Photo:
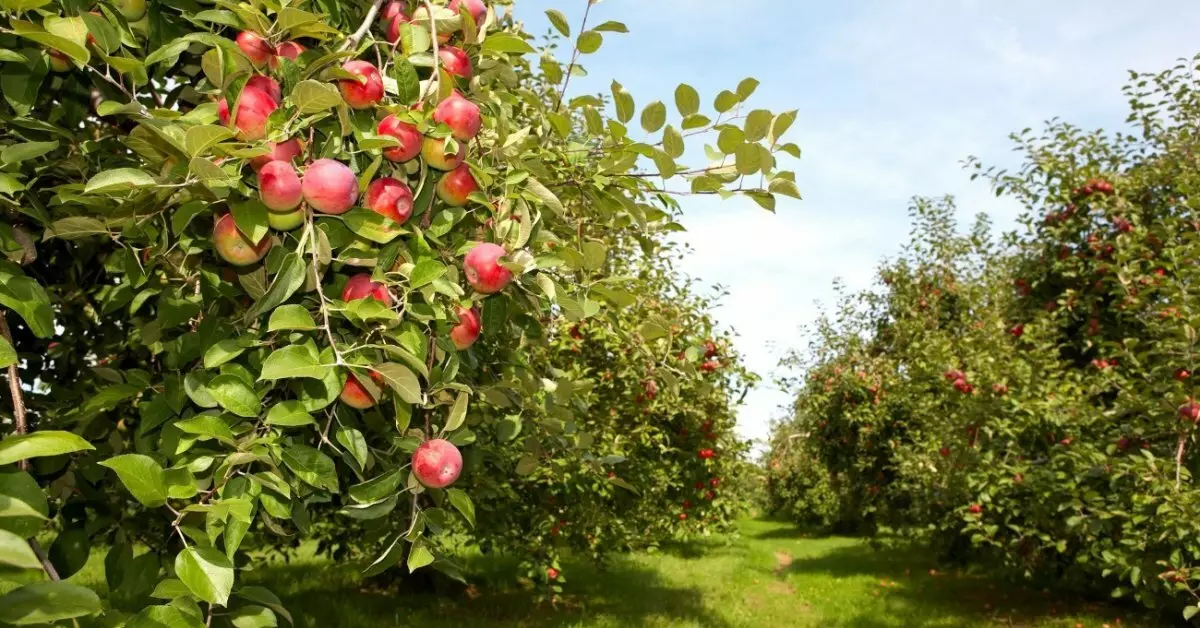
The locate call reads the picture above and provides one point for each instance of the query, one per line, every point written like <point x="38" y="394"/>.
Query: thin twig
<point x="311" y="231"/>
<point x="357" y="35"/>
<point x="437" y="75"/>
<point x="1179" y="459"/>
<point x="45" y="560"/>
<point x="574" y="57"/>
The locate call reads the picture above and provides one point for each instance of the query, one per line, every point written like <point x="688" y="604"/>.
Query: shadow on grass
<point x="326" y="595"/>
<point x="911" y="583"/>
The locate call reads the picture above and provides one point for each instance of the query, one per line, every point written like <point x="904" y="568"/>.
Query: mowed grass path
<point x="771" y="576"/>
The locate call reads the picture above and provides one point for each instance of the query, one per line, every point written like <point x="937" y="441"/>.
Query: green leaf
<point x="118" y="180"/>
<point x="781" y="124"/>
<point x="222" y="352"/>
<point x="207" y="426"/>
<point x="27" y="298"/>
<point x="293" y="361"/>
<point x="654" y="116"/>
<point x="509" y="428"/>
<point x="354" y="442"/>
<point x="462" y="503"/>
<point x="377" y="488"/>
<point x="400" y="379"/>
<point x="142" y="477"/>
<point x="311" y="96"/>
<point x="544" y="195"/>
<point x="594" y="255"/>
<point x="39" y="444"/>
<point x="526" y="465"/>
<point x="746" y="88"/>
<point x="16" y="153"/>
<point x="623" y="101"/>
<point x="19" y="6"/>
<point x="408" y="84"/>
<point x="372" y="226"/>
<point x="612" y="27"/>
<point x="506" y="43"/>
<point x="687" y="100"/>
<point x="8" y="355"/>
<point x="559" y="21"/>
<point x="589" y="42"/>
<point x="23" y="505"/>
<point x="15" y="552"/>
<point x="291" y="317"/>
<point x="253" y="617"/>
<point x="251" y="219"/>
<point x="425" y="272"/>
<point x="749" y="158"/>
<point x="164" y="617"/>
<point x="289" y="279"/>
<point x="46" y="602"/>
<point x="235" y="395"/>
<point x="289" y="413"/>
<point x="311" y="466"/>
<point x="673" y="142"/>
<point x="260" y="595"/>
<point x="207" y="573"/>
<point x="202" y="137"/>
<point x="758" y="123"/>
<point x="76" y="227"/>
<point x="418" y="557"/>
<point x="725" y="101"/>
<point x="458" y="413"/>
<point x="69" y="552"/>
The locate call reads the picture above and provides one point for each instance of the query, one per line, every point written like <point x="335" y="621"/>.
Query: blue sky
<point x="892" y="96"/>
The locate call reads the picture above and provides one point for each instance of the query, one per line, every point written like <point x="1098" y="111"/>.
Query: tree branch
<point x="436" y="60"/>
<point x="357" y="35"/>
<point x="574" y="57"/>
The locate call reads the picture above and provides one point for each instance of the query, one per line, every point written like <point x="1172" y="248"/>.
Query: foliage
<point x="181" y="336"/>
<point x="1031" y="404"/>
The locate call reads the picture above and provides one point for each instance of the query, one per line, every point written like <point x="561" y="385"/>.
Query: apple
<point x="433" y="151"/>
<point x="391" y="199"/>
<point x="356" y="395"/>
<point x="437" y="463"/>
<point x="975" y="509"/>
<point x="233" y="246"/>
<point x="710" y="366"/>
<point x="710" y="349"/>
<point x="651" y="388"/>
<point x="361" y="286"/>
<point x="1017" y="331"/>
<point x="59" y="62"/>
<point x="267" y="85"/>
<point x="1190" y="411"/>
<point x="455" y="62"/>
<point x="421" y="14"/>
<point x="286" y="221"/>
<point x="483" y="269"/>
<point x="257" y="49"/>
<point x="284" y="151"/>
<point x="361" y="94"/>
<point x="1182" y="374"/>
<point x="476" y="8"/>
<point x="329" y="187"/>
<point x="279" y="186"/>
<point x="552" y="573"/>
<point x="409" y="136"/>
<point x="963" y="387"/>
<point x="392" y="9"/>
<point x="944" y="452"/>
<point x="467" y="331"/>
<point x="289" y="49"/>
<point x="131" y="10"/>
<point x="253" y="107"/>
<point x="715" y="482"/>
<point x="706" y="454"/>
<point x="455" y="186"/>
<point x="460" y="115"/>
<point x="683" y="516"/>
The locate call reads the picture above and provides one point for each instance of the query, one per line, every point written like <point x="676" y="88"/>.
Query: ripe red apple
<point x="267" y="85"/>
<point x="233" y="246"/>
<point x="706" y="454"/>
<point x="391" y="199"/>
<point x="289" y="49"/>
<point x="1122" y="225"/>
<point x="361" y="94"/>
<point x="361" y="286"/>
<point x="286" y="221"/>
<point x="651" y="388"/>
<point x="953" y="374"/>
<point x="552" y="573"/>
<point x="1182" y="374"/>
<point x="710" y="349"/>
<point x="390" y="11"/>
<point x="253" y="107"/>
<point x="710" y="366"/>
<point x="975" y="509"/>
<point x="59" y="62"/>
<point x="700" y="485"/>
<point x="257" y="49"/>
<point x="1190" y="411"/>
<point x="476" y="8"/>
<point x="1017" y="331"/>
<point x="393" y="28"/>
<point x="963" y="387"/>
<point x="329" y="186"/>
<point x="355" y="395"/>
<point x="409" y="136"/>
<point x="437" y="463"/>
<point x="683" y="516"/>
<point x="279" y="186"/>
<point x="455" y="186"/>
<point x="455" y="62"/>
<point x="687" y="504"/>
<point x="460" y="114"/>
<point x="483" y="269"/>
<point x="1000" y="389"/>
<point x="433" y="151"/>
<point x="944" y="452"/>
<point x="715" y="482"/>
<point x="467" y="331"/>
<point x="284" y="151"/>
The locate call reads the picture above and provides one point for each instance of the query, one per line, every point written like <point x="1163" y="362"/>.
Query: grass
<point x="772" y="575"/>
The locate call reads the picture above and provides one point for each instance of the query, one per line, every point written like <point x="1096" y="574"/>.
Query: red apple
<point x="683" y="516"/>
<point x="288" y="49"/>
<point x="1190" y="411"/>
<point x="483" y="269"/>
<point x="1017" y="331"/>
<point x="552" y="573"/>
<point x="257" y="49"/>
<point x="437" y="463"/>
<point x="361" y="286"/>
<point x="409" y="136"/>
<point x="233" y="246"/>
<point x="365" y="93"/>
<point x="1182" y="374"/>
<point x="975" y="509"/>
<point x="455" y="186"/>
<point x="455" y="62"/>
<point x="433" y="151"/>
<point x="476" y="8"/>
<point x="356" y="395"/>
<point x="944" y="452"/>
<point x="330" y="187"/>
<point x="467" y="331"/>
<point x="279" y="186"/>
<point x="460" y="114"/>
<point x="267" y="85"/>
<point x="253" y="108"/>
<point x="391" y="199"/>
<point x="284" y="151"/>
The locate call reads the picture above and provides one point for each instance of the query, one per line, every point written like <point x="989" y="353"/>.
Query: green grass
<point x="772" y="575"/>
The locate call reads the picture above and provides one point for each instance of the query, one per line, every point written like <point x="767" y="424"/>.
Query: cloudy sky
<point x="892" y="96"/>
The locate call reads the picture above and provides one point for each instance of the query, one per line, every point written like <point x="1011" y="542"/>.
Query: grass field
<point x="771" y="575"/>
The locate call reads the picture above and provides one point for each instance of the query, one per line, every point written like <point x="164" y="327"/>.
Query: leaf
<point x="506" y="43"/>
<point x="118" y="180"/>
<point x="544" y="195"/>
<point x="594" y="255"/>
<point x="289" y="413"/>
<point x="559" y="21"/>
<point x="589" y="42"/>
<point x="462" y="503"/>
<point x="749" y="158"/>
<point x="612" y="27"/>
<point x="27" y="298"/>
<point x="46" y="602"/>
<point x="673" y="142"/>
<point x="39" y="444"/>
<point x="291" y="317"/>
<point x="758" y="123"/>
<point x="23" y="505"/>
<point x="76" y="227"/>
<point x="623" y="101"/>
<point x="207" y="573"/>
<point x="207" y="426"/>
<point x="458" y="413"/>
<point x="235" y="395"/>
<point x="509" y="428"/>
<point x="260" y="595"/>
<point x="354" y="442"/>
<point x="425" y="272"/>
<point x="725" y="101"/>
<point x="746" y="88"/>
<point x="654" y="116"/>
<point x="293" y="361"/>
<point x="311" y="466"/>
<point x="418" y="557"/>
<point x="69" y="552"/>
<point x="253" y="617"/>
<point x="377" y="488"/>
<point x="371" y="225"/>
<point x="142" y="477"/>
<point x="408" y="84"/>
<point x="251" y="219"/>
<point x="222" y="352"/>
<point x="400" y="379"/>
<point x="201" y="137"/>
<point x="526" y="465"/>
<point x="16" y="153"/>
<point x="19" y="6"/>
<point x="311" y="96"/>
<point x="289" y="279"/>
<point x="15" y="552"/>
<point x="8" y="355"/>
<point x="389" y="557"/>
<point x="164" y="616"/>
